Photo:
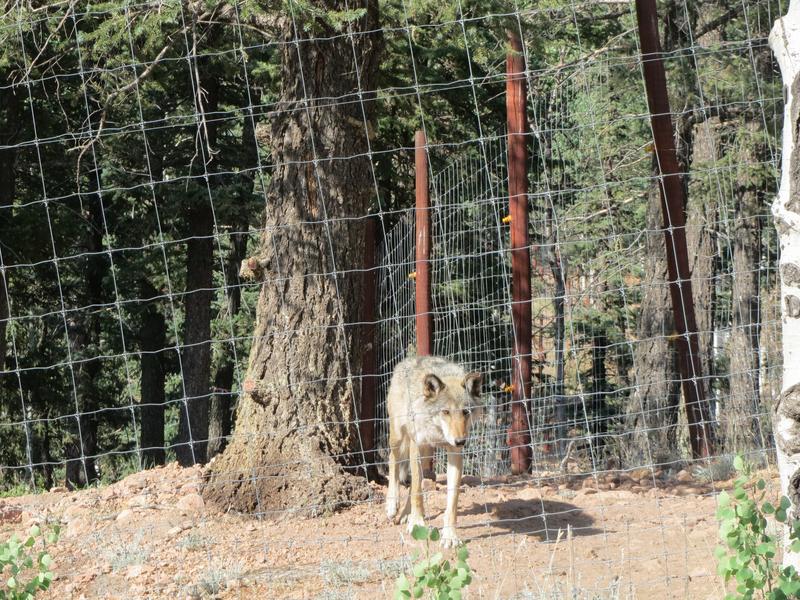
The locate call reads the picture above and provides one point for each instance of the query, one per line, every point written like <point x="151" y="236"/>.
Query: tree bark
<point x="652" y="411"/>
<point x="152" y="340"/>
<point x="295" y="429"/>
<point x="785" y="43"/>
<point x="742" y="429"/>
<point x="701" y="218"/>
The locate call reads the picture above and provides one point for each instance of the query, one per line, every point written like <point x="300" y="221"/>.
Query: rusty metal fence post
<point x="519" y="439"/>
<point x="369" y="366"/>
<point x="672" y="205"/>
<point x="422" y="224"/>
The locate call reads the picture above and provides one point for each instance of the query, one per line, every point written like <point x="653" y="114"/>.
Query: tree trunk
<point x="196" y="355"/>
<point x="785" y="43"/>
<point x="220" y="418"/>
<point x="192" y="440"/>
<point x="152" y="340"/>
<point x="698" y="154"/>
<point x="742" y="428"/>
<point x="652" y="410"/>
<point x="84" y="331"/>
<point x="9" y="128"/>
<point x="295" y="428"/>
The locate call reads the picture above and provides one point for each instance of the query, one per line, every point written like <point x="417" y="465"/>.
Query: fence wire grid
<point x="186" y="274"/>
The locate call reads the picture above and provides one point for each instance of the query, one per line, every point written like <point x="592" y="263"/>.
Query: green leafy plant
<point x="23" y="570"/>
<point x="443" y="580"/>
<point x="748" y="550"/>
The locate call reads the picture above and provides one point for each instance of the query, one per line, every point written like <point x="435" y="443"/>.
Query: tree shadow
<point x="539" y="518"/>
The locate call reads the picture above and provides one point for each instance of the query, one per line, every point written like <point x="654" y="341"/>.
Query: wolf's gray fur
<point x="431" y="403"/>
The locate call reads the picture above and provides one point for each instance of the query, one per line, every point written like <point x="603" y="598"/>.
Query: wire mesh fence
<point x="184" y="194"/>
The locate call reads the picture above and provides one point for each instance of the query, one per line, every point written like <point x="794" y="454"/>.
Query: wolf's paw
<point x="391" y="508"/>
<point x="449" y="538"/>
<point x="414" y="520"/>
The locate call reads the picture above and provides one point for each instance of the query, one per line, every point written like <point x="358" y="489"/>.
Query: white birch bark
<point x="785" y="43"/>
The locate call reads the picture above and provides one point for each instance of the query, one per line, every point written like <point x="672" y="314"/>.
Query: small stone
<point x="684" y="476"/>
<point x="191" y="503"/>
<point x="134" y="571"/>
<point x="137" y="502"/>
<point x="77" y="527"/>
<point x="125" y="515"/>
<point x="639" y="474"/>
<point x="588" y="491"/>
<point x="174" y="531"/>
<point x="108" y="493"/>
<point x="59" y="489"/>
<point x="72" y="512"/>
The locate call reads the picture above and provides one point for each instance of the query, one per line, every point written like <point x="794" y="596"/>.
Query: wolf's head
<point x="456" y="402"/>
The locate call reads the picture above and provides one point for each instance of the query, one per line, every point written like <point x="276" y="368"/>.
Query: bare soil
<point x="622" y="535"/>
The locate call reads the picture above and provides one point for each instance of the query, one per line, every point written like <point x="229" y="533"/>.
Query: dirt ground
<point x="623" y="535"/>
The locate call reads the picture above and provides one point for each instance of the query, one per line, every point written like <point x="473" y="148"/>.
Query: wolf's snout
<point x="461" y="442"/>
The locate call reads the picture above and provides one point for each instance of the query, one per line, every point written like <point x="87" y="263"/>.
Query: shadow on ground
<point x="540" y="518"/>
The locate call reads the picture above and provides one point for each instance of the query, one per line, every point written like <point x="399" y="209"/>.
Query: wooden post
<point x="369" y="365"/>
<point x="519" y="439"/>
<point x="424" y="305"/>
<point x="423" y="248"/>
<point x="672" y="205"/>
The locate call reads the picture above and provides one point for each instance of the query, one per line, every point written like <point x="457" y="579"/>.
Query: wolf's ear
<point x="431" y="385"/>
<point x="472" y="383"/>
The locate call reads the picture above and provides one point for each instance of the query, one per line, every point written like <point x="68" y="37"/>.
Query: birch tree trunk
<point x="785" y="43"/>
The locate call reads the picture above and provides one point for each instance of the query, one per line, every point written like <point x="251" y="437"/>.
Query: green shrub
<point x="748" y="552"/>
<point x="23" y="570"/>
<point x="442" y="580"/>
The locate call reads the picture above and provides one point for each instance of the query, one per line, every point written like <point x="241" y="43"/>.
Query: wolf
<point x="431" y="403"/>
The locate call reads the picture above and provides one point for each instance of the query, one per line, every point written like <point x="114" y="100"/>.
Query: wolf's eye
<point x="445" y="412"/>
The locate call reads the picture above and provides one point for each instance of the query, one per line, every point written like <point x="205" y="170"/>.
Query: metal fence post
<point x="369" y="366"/>
<point x="519" y="439"/>
<point x="424" y="304"/>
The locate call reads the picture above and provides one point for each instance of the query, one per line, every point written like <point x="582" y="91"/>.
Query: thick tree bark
<point x="785" y="43"/>
<point x="152" y="340"/>
<point x="699" y="152"/>
<point x="295" y="429"/>
<point x="742" y="428"/>
<point x="652" y="410"/>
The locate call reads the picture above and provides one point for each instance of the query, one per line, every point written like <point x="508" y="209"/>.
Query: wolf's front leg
<point x="393" y="493"/>
<point x="455" y="464"/>
<point x="417" y="516"/>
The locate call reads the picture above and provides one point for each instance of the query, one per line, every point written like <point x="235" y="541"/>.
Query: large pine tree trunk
<point x="652" y="411"/>
<point x="785" y="43"/>
<point x="699" y="152"/>
<point x="742" y="428"/>
<point x="295" y="429"/>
